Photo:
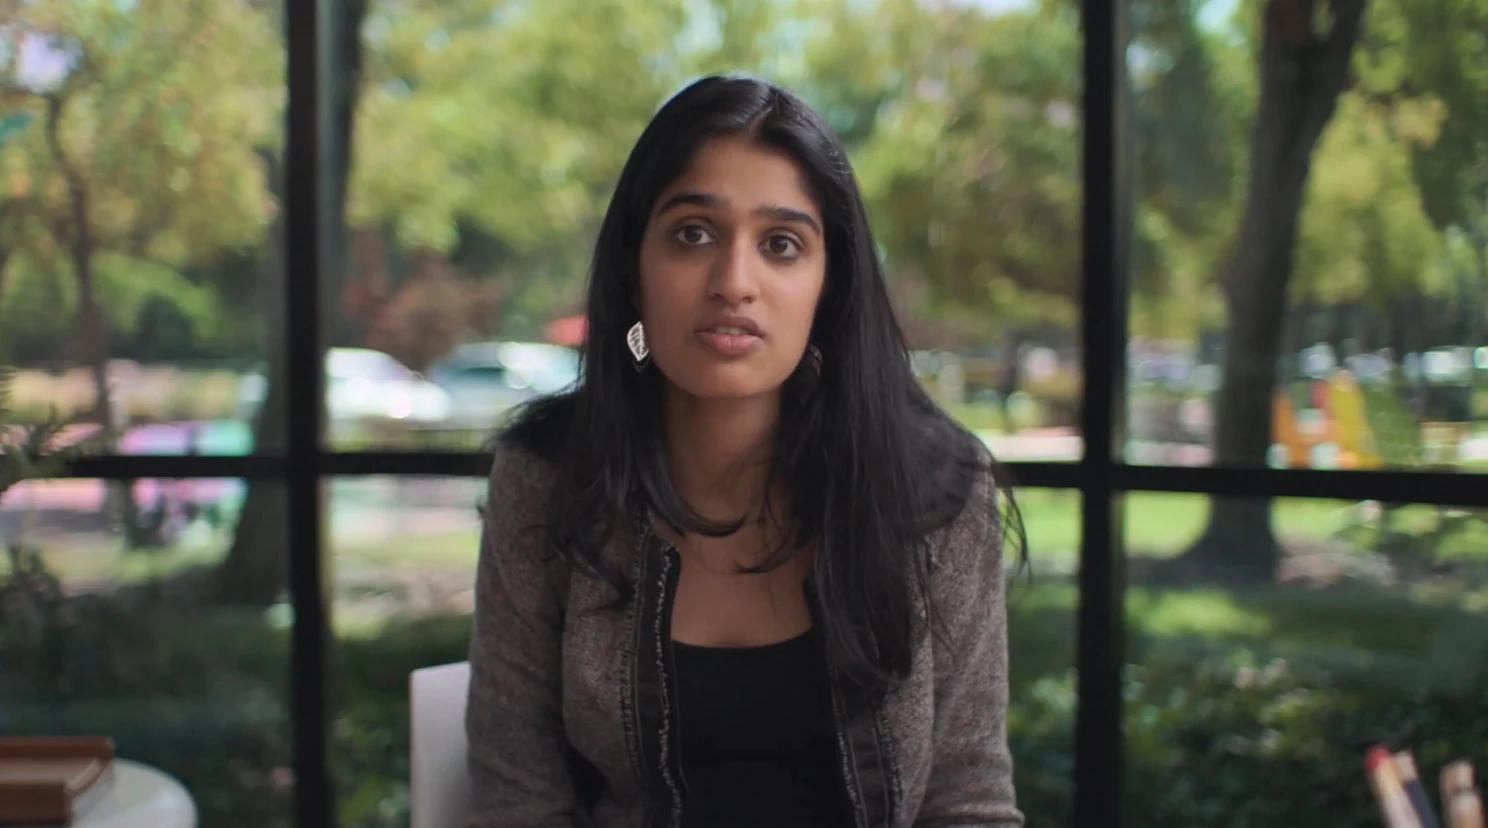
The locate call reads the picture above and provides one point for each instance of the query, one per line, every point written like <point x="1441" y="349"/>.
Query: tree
<point x="1303" y="66"/>
<point x="1192" y="92"/>
<point x="500" y="170"/>
<point x="256" y="568"/>
<point x="1440" y="51"/>
<point x="971" y="172"/>
<point x="1365" y="236"/>
<point x="1359" y="224"/>
<point x="130" y="160"/>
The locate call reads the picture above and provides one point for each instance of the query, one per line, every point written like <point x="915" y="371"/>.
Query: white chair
<point x="439" y="783"/>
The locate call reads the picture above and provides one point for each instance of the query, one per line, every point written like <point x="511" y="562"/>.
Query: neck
<point x="719" y="451"/>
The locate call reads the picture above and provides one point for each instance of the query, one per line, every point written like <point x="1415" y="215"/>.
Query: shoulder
<point x="514" y="554"/>
<point x="512" y="459"/>
<point x="528" y="450"/>
<point x="968" y="550"/>
<point x="521" y="485"/>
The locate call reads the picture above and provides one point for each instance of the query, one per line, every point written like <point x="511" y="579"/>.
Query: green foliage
<point x="492" y="133"/>
<point x="519" y="152"/>
<point x="41" y="297"/>
<point x="28" y="452"/>
<point x="1219" y="732"/>
<point x="1380" y="199"/>
<point x="969" y="172"/>
<point x="206" y="701"/>
<point x="141" y="154"/>
<point x="1239" y="743"/>
<point x="1365" y="234"/>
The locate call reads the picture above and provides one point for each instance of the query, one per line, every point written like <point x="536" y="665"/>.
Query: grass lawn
<point x="1156" y="525"/>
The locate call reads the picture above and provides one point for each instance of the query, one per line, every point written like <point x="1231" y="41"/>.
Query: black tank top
<point x="758" y="744"/>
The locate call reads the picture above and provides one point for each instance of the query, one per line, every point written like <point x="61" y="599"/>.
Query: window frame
<point x="315" y="70"/>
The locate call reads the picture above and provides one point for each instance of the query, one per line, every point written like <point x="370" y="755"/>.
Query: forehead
<point x="744" y="175"/>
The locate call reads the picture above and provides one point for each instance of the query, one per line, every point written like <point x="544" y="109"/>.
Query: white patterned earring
<point x="635" y="340"/>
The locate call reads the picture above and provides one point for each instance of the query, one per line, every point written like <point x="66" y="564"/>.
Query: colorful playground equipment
<point x="1345" y="425"/>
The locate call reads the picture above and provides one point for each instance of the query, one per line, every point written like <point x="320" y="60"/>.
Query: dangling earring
<point x="814" y="358"/>
<point x="635" y="340"/>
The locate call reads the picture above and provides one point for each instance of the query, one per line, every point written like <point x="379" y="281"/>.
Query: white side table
<point x="141" y="797"/>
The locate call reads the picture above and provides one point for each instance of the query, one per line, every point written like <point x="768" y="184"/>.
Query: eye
<point x="692" y="235"/>
<point x="782" y="246"/>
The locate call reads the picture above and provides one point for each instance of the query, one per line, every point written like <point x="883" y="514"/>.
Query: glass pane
<point x="405" y="551"/>
<point x="138" y="280"/>
<point x="476" y="195"/>
<point x="146" y="642"/>
<point x="1309" y="274"/>
<point x="1255" y="690"/>
<point x="1042" y="602"/>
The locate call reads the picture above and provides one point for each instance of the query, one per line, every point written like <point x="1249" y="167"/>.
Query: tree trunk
<point x="1302" y="71"/>
<point x="256" y="569"/>
<point x="340" y="329"/>
<point x="92" y="332"/>
<point x="95" y="351"/>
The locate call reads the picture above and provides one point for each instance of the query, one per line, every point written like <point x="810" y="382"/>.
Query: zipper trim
<point x="630" y="694"/>
<point x="670" y="737"/>
<point x="886" y="765"/>
<point x="846" y="759"/>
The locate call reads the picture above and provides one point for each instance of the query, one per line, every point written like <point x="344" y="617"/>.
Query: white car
<point x="362" y="384"/>
<point x="487" y="379"/>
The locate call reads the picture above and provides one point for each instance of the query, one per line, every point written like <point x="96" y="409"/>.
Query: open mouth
<point x="731" y="340"/>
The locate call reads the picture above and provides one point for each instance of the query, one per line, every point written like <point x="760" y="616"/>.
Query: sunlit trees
<point x="129" y="156"/>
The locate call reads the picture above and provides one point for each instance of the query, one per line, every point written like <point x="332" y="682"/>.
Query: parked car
<point x="362" y="384"/>
<point x="487" y="379"/>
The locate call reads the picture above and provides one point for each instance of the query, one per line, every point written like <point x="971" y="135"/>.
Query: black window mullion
<point x="1436" y="487"/>
<point x="305" y="219"/>
<point x="1099" y="756"/>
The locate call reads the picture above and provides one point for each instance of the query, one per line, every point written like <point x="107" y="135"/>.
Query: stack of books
<point x="1402" y="798"/>
<point x="52" y="781"/>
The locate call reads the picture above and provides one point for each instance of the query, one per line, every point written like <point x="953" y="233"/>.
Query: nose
<point x="733" y="277"/>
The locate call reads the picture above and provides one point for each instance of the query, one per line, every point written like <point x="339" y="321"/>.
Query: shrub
<point x="1228" y="742"/>
<point x="202" y="696"/>
<point x="1218" y="741"/>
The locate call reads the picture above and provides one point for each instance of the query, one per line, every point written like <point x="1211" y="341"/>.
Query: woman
<point x="746" y="572"/>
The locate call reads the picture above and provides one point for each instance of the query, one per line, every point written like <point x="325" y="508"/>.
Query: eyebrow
<point x="773" y="211"/>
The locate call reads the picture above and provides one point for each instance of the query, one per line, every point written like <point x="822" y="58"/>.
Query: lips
<point x="731" y="337"/>
<point x="731" y="326"/>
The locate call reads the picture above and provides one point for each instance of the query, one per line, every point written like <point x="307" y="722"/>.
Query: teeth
<point x="729" y="331"/>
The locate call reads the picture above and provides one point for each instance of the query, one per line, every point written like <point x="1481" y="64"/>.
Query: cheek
<point x="663" y="296"/>
<point x="803" y="298"/>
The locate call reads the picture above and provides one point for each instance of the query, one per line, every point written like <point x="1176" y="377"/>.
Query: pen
<point x="1410" y="779"/>
<point x="1393" y="803"/>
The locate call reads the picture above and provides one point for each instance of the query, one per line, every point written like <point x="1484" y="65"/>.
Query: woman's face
<point x="732" y="265"/>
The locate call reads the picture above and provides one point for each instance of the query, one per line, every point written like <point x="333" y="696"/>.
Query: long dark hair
<point x="871" y="465"/>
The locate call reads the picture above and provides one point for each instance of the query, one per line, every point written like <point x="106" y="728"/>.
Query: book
<point x="52" y="781"/>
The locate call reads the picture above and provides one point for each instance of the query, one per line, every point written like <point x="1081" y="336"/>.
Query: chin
<point x="727" y="383"/>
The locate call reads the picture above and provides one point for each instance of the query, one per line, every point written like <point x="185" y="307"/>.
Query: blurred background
<point x="1307" y="288"/>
